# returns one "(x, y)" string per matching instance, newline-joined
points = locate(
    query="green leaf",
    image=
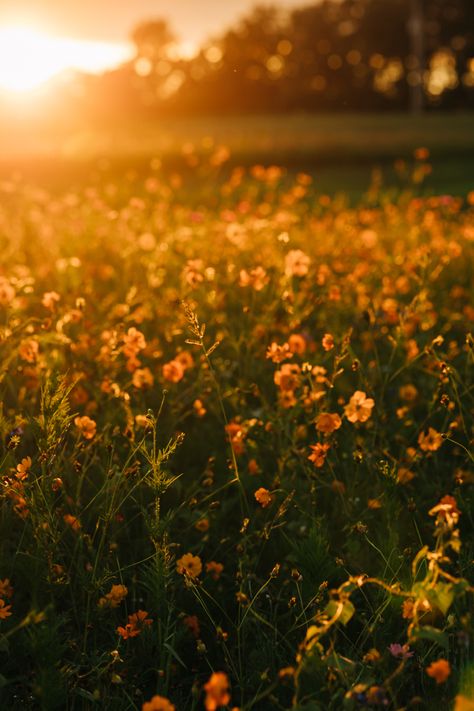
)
(333, 608)
(432, 634)
(85, 694)
(441, 596)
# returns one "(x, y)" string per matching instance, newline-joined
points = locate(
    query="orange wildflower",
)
(190, 565)
(408, 609)
(461, 702)
(296, 263)
(287, 399)
(28, 350)
(173, 371)
(199, 408)
(217, 691)
(328, 422)
(253, 467)
(328, 342)
(15, 493)
(431, 441)
(49, 300)
(136, 624)
(142, 378)
(4, 610)
(277, 354)
(372, 656)
(6, 589)
(23, 468)
(72, 521)
(114, 597)
(193, 272)
(319, 374)
(257, 278)
(359, 408)
(236, 435)
(86, 426)
(143, 421)
(202, 525)
(404, 475)
(408, 393)
(133, 342)
(439, 670)
(215, 569)
(192, 623)
(297, 343)
(185, 358)
(158, 703)
(263, 497)
(318, 454)
(446, 510)
(7, 292)
(288, 377)
(422, 153)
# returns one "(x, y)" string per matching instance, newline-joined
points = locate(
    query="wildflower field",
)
(236, 431)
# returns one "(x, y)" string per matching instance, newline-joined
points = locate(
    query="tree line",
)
(332, 55)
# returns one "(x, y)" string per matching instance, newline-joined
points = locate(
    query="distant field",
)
(340, 149)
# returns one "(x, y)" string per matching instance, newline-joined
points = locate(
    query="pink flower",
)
(400, 651)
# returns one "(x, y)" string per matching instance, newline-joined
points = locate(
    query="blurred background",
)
(333, 87)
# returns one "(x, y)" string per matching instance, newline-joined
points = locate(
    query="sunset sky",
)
(41, 39)
(112, 20)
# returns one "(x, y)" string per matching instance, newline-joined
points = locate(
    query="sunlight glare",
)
(30, 57)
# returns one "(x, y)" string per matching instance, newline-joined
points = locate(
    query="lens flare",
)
(29, 57)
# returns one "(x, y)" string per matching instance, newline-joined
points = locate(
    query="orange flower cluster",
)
(256, 279)
(174, 371)
(288, 380)
(114, 597)
(236, 433)
(136, 624)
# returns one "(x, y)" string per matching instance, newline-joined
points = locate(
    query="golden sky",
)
(41, 39)
(112, 20)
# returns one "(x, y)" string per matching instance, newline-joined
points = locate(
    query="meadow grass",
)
(237, 425)
(340, 150)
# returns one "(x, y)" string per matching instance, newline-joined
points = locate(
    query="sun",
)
(30, 57)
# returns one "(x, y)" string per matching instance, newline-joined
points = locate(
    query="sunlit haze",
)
(30, 57)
